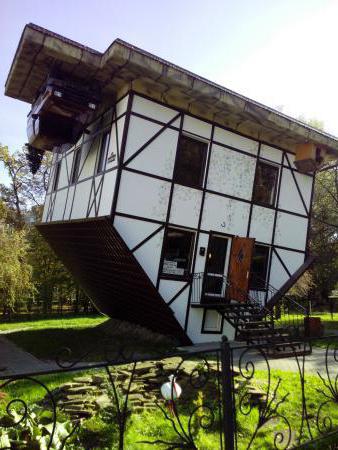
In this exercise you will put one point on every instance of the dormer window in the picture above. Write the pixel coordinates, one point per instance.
(103, 152)
(265, 187)
(56, 175)
(190, 162)
(76, 166)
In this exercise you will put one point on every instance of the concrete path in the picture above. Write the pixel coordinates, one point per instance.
(315, 362)
(14, 360)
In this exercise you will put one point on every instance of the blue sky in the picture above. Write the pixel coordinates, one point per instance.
(279, 52)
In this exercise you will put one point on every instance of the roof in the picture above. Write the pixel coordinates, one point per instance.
(123, 64)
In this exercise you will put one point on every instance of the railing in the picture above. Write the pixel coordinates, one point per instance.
(202, 287)
(227, 398)
(287, 313)
(218, 290)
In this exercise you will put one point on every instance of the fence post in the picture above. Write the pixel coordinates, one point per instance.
(227, 397)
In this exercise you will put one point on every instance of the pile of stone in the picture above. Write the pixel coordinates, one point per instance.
(85, 395)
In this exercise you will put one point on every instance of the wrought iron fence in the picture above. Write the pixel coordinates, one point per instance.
(220, 396)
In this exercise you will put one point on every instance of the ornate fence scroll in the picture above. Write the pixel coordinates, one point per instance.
(223, 396)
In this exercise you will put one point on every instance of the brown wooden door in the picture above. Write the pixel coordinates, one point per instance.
(239, 267)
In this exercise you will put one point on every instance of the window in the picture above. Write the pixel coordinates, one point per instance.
(103, 152)
(56, 175)
(259, 267)
(265, 183)
(178, 246)
(190, 162)
(76, 166)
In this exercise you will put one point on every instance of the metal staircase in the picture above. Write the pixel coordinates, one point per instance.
(253, 322)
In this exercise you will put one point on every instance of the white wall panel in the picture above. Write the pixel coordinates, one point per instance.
(185, 206)
(149, 256)
(133, 231)
(139, 132)
(225, 215)
(200, 260)
(180, 306)
(143, 196)
(261, 227)
(153, 110)
(55, 158)
(107, 195)
(63, 180)
(278, 275)
(289, 197)
(95, 195)
(45, 208)
(291, 231)
(292, 260)
(169, 288)
(121, 105)
(69, 202)
(235, 140)
(59, 205)
(305, 186)
(196, 126)
(81, 198)
(271, 153)
(231, 172)
(88, 159)
(159, 156)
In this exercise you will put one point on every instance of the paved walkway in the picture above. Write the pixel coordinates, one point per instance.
(14, 360)
(315, 362)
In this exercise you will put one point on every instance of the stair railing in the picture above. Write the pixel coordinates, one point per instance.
(287, 313)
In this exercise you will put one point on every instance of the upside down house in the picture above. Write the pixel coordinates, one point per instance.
(176, 203)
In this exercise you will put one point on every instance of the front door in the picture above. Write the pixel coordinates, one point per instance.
(239, 268)
(214, 283)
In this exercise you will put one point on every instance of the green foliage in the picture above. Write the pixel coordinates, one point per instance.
(324, 231)
(15, 272)
(32, 265)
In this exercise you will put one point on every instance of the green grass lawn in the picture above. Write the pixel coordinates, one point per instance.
(330, 323)
(74, 322)
(85, 337)
(153, 426)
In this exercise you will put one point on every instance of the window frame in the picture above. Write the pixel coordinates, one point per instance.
(252, 287)
(75, 166)
(103, 153)
(276, 168)
(186, 276)
(203, 164)
(56, 177)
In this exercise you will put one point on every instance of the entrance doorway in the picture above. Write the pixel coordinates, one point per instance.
(214, 283)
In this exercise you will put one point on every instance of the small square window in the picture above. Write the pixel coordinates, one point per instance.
(76, 166)
(103, 152)
(190, 162)
(56, 175)
(259, 267)
(178, 247)
(265, 186)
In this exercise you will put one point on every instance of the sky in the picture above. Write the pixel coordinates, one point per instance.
(282, 53)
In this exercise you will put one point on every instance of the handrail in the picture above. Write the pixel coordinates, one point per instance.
(290, 282)
(262, 284)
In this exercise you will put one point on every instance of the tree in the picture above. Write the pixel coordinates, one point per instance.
(25, 190)
(324, 231)
(41, 267)
(16, 284)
